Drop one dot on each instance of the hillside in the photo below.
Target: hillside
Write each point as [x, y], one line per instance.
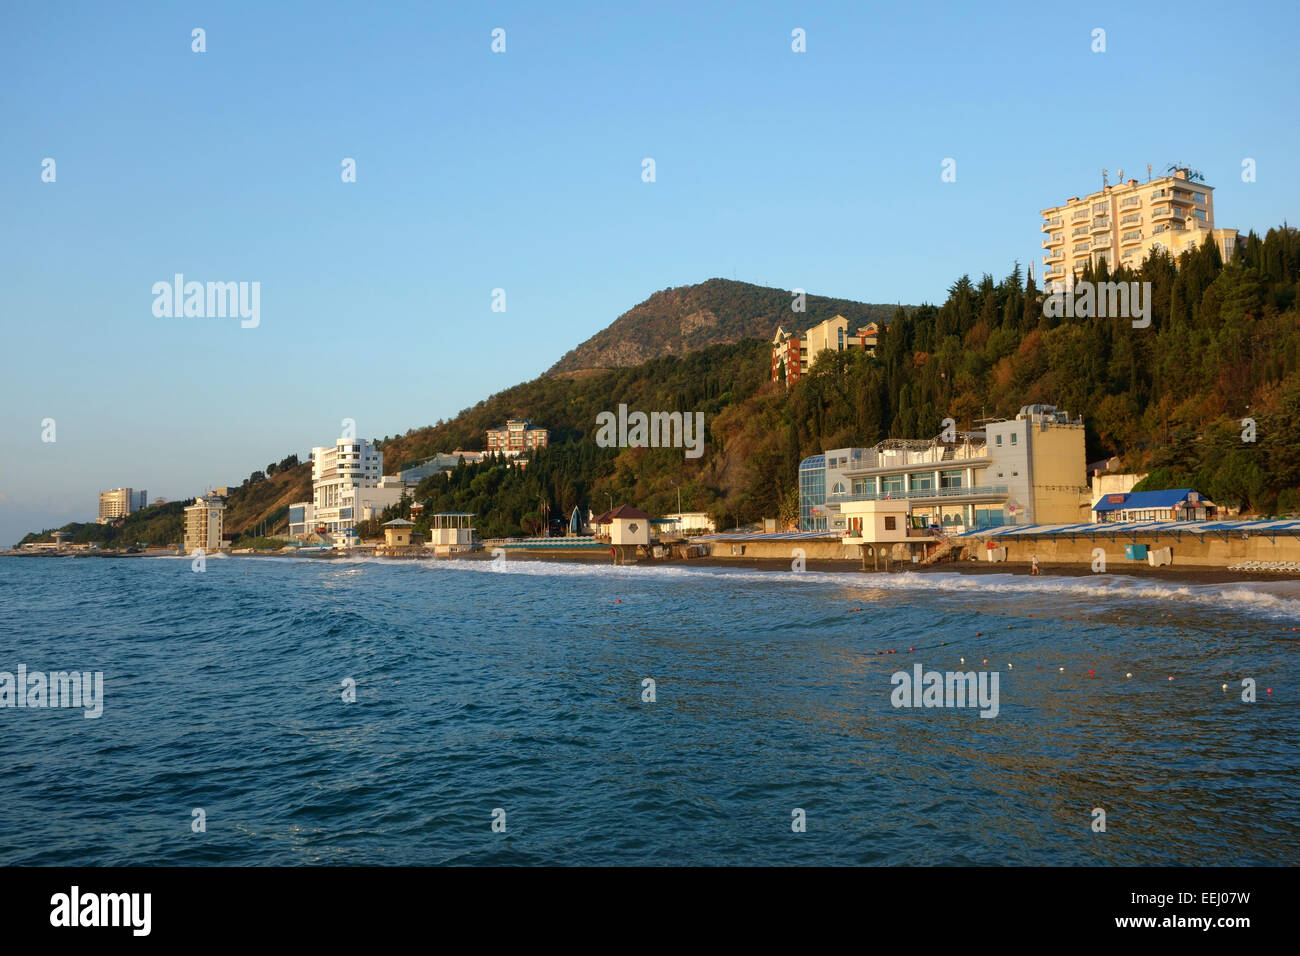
[1223, 345]
[716, 312]
[261, 502]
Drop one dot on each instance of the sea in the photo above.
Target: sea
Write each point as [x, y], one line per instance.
[294, 711]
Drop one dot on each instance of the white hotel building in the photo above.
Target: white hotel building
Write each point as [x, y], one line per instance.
[1029, 470]
[347, 487]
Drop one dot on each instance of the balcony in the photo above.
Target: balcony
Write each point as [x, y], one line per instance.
[976, 491]
[1102, 243]
[1054, 240]
[1050, 224]
[1081, 214]
[1163, 212]
[1131, 238]
[1056, 256]
[1100, 225]
[1181, 197]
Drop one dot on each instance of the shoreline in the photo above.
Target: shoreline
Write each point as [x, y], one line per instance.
[1192, 574]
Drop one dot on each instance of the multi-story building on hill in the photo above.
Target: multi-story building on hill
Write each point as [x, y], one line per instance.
[1123, 223]
[1028, 470]
[794, 353]
[119, 503]
[516, 437]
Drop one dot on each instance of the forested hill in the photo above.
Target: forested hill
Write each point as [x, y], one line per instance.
[1223, 345]
[686, 318]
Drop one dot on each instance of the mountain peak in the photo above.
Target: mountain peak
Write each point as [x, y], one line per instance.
[681, 319]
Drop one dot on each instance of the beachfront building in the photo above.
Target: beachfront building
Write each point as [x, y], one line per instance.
[1174, 504]
[516, 437]
[1111, 483]
[1030, 469]
[689, 522]
[793, 353]
[399, 533]
[348, 485]
[1125, 222]
[625, 525]
[302, 516]
[452, 531]
[120, 502]
[203, 523]
[880, 521]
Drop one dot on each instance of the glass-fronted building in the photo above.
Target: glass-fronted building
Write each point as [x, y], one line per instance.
[812, 493]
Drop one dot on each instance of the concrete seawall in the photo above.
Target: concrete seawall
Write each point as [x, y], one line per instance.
[1190, 550]
[1209, 549]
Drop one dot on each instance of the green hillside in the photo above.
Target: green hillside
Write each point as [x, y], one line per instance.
[1222, 346]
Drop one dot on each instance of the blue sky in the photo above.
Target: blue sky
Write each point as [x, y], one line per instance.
[522, 171]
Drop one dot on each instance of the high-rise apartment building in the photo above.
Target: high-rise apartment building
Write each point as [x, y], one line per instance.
[1123, 223]
[347, 486]
[203, 523]
[119, 503]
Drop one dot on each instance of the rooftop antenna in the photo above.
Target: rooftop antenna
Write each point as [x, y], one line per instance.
[1104, 181]
[1148, 172]
[1120, 177]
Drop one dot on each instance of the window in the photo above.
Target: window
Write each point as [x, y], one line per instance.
[999, 441]
[837, 488]
[891, 523]
[922, 482]
[1014, 438]
[950, 479]
[891, 484]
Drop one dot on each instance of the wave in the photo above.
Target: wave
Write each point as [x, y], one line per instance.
[1248, 596]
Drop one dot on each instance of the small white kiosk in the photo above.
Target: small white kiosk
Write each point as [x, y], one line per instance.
[451, 531]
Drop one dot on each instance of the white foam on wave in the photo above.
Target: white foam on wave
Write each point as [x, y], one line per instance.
[1250, 596]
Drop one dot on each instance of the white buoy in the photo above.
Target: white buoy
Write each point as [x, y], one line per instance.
[1061, 669]
[1128, 675]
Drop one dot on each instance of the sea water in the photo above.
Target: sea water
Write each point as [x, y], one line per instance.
[587, 714]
